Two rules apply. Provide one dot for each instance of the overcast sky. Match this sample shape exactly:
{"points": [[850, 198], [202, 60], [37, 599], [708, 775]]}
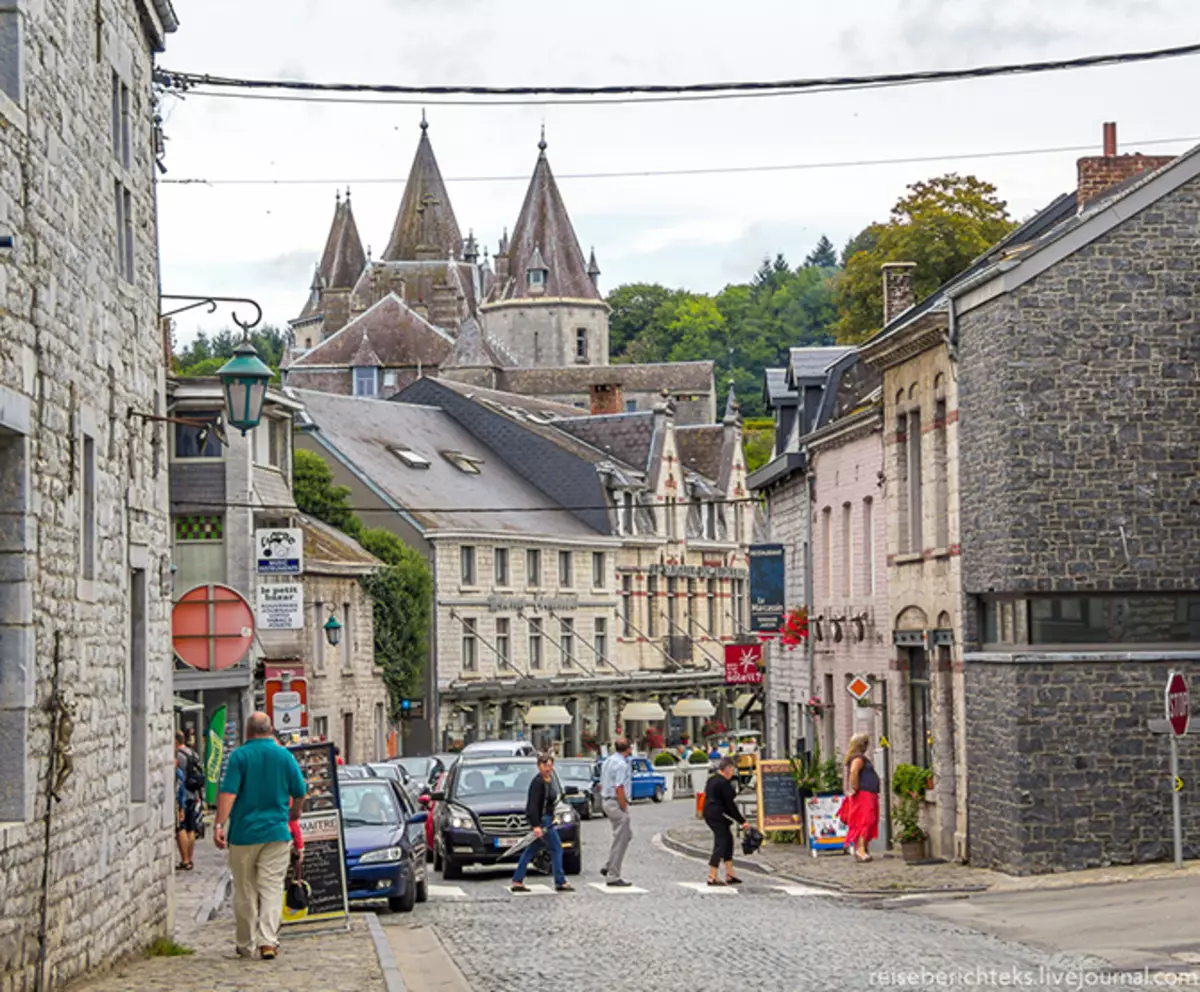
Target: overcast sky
{"points": [[699, 232]]}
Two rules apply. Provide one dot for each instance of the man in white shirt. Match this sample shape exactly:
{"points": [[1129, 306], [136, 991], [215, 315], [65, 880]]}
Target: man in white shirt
{"points": [[616, 786]]}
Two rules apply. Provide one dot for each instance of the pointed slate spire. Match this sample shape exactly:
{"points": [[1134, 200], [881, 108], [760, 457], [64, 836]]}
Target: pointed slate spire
{"points": [[593, 268], [425, 219], [344, 259], [544, 227], [471, 249]]}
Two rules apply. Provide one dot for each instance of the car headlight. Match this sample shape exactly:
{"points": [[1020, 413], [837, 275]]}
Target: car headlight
{"points": [[382, 856], [567, 816], [461, 819]]}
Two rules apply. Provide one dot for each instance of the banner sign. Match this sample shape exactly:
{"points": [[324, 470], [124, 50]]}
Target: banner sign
{"points": [[766, 587], [280, 606], [825, 831], [742, 664], [215, 759], [279, 550]]}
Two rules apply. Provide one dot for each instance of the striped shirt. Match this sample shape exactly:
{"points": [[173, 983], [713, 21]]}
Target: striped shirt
{"points": [[616, 771]]}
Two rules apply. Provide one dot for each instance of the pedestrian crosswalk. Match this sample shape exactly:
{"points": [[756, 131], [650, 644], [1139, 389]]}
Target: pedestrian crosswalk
{"points": [[492, 888]]}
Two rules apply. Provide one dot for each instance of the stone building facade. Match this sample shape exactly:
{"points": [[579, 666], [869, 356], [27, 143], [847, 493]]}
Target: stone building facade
{"points": [[84, 582], [1078, 373]]}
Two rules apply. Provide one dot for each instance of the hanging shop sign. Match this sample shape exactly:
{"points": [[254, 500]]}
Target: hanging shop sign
{"points": [[280, 606], [279, 550], [766, 587]]}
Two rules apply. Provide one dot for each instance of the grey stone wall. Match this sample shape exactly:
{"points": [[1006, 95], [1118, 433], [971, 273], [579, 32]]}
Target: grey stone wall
{"points": [[80, 347], [1063, 773], [1080, 427]]}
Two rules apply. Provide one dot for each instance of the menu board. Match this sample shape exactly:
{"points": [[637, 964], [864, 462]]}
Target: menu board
{"points": [[779, 803], [319, 766], [323, 868]]}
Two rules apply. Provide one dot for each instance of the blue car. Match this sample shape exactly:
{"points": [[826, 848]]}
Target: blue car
{"points": [[385, 843], [647, 783]]}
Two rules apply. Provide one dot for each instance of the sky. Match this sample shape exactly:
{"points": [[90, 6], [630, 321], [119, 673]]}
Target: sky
{"points": [[698, 232]]}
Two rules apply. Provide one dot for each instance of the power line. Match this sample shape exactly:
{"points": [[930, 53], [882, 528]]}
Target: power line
{"points": [[703, 171], [187, 81]]}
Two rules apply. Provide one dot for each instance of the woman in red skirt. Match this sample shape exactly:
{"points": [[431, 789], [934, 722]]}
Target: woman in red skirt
{"points": [[862, 798]]}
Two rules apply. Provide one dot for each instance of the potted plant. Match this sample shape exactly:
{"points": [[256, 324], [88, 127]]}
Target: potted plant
{"points": [[664, 759], [698, 757], [831, 777], [908, 783], [713, 728]]}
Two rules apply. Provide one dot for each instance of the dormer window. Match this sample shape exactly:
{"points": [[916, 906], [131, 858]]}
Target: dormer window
{"points": [[536, 273], [628, 514], [536, 277], [366, 380], [710, 521]]}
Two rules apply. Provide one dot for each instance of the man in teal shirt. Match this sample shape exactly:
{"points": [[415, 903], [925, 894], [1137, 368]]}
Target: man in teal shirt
{"points": [[261, 790]]}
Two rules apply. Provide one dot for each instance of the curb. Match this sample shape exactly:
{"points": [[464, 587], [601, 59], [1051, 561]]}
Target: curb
{"points": [[392, 978], [216, 899], [832, 888]]}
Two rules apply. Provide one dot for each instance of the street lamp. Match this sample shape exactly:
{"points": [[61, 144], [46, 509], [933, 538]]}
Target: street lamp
{"points": [[244, 379], [333, 631]]}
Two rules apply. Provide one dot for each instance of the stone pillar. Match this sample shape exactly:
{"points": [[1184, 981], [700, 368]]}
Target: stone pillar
{"points": [[945, 782], [899, 290]]}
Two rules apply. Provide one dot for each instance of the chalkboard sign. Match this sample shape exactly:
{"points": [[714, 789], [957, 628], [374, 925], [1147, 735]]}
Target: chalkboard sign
{"points": [[318, 763], [324, 869], [779, 804]]}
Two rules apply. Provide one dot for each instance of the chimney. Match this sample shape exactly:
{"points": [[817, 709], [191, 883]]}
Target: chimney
{"points": [[899, 292], [606, 397], [1100, 173]]}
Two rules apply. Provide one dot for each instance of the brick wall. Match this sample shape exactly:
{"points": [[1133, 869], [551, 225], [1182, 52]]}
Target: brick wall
{"points": [[1101, 172], [80, 347]]}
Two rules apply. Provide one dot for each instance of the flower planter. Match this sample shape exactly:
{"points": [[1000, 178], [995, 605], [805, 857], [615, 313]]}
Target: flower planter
{"points": [[912, 850]]}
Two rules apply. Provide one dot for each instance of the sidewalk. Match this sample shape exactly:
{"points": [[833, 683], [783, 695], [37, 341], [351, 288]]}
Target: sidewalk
{"points": [[326, 962], [888, 875]]}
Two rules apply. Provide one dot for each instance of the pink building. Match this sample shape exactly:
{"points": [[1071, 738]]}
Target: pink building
{"points": [[849, 625]]}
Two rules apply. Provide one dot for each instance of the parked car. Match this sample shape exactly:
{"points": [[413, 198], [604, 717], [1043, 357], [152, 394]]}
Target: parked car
{"points": [[577, 773], [422, 769], [348, 772], [481, 812], [647, 783], [385, 843], [495, 749]]}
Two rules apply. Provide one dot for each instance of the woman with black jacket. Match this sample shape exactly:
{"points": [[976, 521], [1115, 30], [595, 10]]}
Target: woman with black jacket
{"points": [[719, 810]]}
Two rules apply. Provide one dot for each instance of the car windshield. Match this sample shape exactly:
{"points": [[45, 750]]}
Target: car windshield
{"points": [[418, 768], [388, 771], [369, 804], [353, 771], [574, 770], [494, 778]]}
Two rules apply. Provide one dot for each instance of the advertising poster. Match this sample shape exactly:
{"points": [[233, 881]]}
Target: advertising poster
{"points": [[825, 831], [280, 606], [766, 587], [323, 868]]}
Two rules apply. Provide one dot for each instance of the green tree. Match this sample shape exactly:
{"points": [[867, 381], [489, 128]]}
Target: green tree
{"points": [[942, 225], [319, 496], [864, 240], [205, 366], [823, 255], [402, 594], [633, 311]]}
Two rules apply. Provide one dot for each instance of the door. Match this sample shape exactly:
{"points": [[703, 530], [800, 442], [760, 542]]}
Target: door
{"points": [[348, 754]]}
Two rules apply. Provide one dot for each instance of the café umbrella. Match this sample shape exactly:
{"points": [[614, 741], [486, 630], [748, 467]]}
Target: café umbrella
{"points": [[643, 711], [694, 707], [548, 716]]}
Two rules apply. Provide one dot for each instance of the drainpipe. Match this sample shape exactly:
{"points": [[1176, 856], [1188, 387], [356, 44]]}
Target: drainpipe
{"points": [[810, 723]]}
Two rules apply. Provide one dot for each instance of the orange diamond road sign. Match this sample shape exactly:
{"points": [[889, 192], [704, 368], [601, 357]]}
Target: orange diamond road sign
{"points": [[859, 687]]}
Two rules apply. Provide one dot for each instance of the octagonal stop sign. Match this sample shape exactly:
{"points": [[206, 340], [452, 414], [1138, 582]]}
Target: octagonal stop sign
{"points": [[1179, 704]]}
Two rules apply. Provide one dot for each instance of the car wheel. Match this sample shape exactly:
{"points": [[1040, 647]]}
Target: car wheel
{"points": [[437, 857], [451, 869], [406, 902], [423, 890], [658, 794], [587, 812], [572, 862]]}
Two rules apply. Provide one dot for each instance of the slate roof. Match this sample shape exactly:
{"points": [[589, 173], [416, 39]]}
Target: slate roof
{"points": [[544, 228], [398, 336], [425, 218], [325, 545], [625, 436], [420, 279], [547, 410], [775, 387], [343, 259], [472, 350], [271, 489], [814, 363], [441, 497], [678, 377], [700, 449]]}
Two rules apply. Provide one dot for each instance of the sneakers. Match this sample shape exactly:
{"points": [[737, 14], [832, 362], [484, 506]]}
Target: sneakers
{"points": [[565, 887], [619, 883]]}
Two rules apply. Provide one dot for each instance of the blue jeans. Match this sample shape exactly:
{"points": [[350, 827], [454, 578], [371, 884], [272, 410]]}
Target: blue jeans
{"points": [[551, 839]]}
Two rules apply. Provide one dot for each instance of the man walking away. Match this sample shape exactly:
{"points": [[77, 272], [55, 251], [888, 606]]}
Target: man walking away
{"points": [[261, 781], [543, 798], [193, 785], [616, 786]]}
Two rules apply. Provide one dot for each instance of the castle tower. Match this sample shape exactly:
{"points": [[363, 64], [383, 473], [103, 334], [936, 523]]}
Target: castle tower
{"points": [[425, 227], [546, 309], [328, 306]]}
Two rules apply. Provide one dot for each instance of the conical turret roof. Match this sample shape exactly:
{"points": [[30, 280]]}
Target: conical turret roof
{"points": [[425, 218], [344, 258], [544, 229]]}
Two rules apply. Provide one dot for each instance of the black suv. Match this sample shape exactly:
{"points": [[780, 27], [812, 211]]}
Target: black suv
{"points": [[481, 812]]}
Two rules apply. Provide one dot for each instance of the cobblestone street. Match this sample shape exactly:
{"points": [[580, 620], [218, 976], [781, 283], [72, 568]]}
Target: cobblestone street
{"points": [[669, 932]]}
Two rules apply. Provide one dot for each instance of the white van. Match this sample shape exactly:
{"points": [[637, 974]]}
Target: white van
{"points": [[499, 749]]}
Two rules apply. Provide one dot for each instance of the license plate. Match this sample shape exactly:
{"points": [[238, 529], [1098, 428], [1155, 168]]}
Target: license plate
{"points": [[498, 842]]}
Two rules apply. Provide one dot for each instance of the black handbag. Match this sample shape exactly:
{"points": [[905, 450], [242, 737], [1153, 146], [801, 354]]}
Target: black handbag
{"points": [[298, 892]]}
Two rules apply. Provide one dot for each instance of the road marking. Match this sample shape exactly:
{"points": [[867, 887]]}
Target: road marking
{"points": [[801, 890], [709, 889], [447, 892], [535, 889], [616, 890], [657, 841]]}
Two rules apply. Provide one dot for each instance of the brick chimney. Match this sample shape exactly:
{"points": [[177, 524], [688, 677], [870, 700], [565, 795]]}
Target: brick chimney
{"points": [[1099, 173], [606, 398], [899, 292]]}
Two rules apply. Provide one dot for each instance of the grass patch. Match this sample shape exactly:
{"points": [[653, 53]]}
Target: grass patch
{"points": [[165, 947]]}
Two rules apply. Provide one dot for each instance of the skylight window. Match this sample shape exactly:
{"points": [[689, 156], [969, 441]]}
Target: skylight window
{"points": [[464, 463], [410, 457]]}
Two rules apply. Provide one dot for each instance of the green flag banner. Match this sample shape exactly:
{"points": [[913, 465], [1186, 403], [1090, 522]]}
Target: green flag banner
{"points": [[216, 754]]}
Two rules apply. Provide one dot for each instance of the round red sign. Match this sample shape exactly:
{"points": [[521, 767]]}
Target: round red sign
{"points": [[1179, 704], [212, 627]]}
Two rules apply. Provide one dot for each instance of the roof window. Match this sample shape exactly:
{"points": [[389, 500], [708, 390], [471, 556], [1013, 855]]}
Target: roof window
{"points": [[464, 463], [410, 457]]}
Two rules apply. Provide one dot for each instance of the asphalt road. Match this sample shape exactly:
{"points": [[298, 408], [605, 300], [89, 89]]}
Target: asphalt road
{"points": [[671, 933]]}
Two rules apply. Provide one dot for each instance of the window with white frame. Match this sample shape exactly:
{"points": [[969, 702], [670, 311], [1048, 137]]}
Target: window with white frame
{"points": [[535, 643], [599, 570], [470, 645], [847, 550], [868, 544], [566, 566], [467, 565], [503, 655], [600, 639], [626, 605], [581, 344], [366, 380], [652, 606], [500, 566], [566, 640], [533, 568]]}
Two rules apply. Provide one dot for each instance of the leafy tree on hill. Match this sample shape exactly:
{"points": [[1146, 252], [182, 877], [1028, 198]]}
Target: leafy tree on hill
{"points": [[205, 355], [823, 255], [942, 224]]}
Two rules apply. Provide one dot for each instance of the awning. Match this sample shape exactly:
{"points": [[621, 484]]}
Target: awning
{"points": [[743, 701], [694, 707], [548, 716], [643, 711], [185, 705]]}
